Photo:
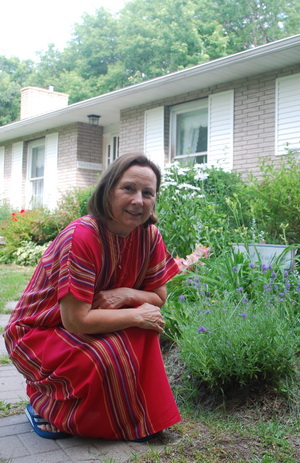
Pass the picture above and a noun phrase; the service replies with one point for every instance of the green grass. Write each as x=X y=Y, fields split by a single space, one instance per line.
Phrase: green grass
x=13 y=280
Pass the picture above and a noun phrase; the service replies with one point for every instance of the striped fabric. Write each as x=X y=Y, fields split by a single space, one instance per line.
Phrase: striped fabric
x=111 y=386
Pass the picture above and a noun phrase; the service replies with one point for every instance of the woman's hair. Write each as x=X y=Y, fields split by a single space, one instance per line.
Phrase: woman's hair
x=99 y=205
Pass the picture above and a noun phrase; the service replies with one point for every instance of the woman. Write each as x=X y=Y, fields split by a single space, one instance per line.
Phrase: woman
x=85 y=333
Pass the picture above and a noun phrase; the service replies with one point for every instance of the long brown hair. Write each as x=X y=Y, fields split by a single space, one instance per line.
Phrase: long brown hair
x=99 y=205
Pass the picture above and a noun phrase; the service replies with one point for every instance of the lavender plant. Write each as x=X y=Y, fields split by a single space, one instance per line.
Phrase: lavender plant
x=236 y=322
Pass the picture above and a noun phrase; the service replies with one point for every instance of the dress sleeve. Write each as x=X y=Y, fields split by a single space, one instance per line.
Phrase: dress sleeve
x=75 y=258
x=162 y=266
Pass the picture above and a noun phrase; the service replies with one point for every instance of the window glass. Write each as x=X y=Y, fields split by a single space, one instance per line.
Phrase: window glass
x=191 y=132
x=36 y=173
x=113 y=149
x=189 y=129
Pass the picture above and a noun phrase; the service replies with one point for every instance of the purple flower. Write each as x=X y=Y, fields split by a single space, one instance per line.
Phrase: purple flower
x=235 y=269
x=251 y=265
x=224 y=310
x=267 y=287
x=298 y=284
x=264 y=268
x=202 y=329
x=182 y=297
x=207 y=311
x=286 y=274
x=244 y=315
x=245 y=300
x=273 y=275
x=287 y=285
x=240 y=289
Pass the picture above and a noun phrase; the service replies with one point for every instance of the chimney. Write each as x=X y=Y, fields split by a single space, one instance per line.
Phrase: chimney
x=36 y=101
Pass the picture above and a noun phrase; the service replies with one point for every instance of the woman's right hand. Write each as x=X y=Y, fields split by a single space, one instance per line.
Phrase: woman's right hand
x=150 y=317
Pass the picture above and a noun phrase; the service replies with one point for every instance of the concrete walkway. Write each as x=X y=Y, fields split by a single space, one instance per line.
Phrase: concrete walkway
x=19 y=443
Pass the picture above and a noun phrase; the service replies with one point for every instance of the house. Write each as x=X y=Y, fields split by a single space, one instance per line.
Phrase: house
x=229 y=112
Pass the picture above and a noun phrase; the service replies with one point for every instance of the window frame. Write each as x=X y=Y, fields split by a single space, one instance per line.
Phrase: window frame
x=184 y=108
x=32 y=199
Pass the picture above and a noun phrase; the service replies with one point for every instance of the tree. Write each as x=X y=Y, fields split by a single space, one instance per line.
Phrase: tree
x=13 y=76
x=249 y=23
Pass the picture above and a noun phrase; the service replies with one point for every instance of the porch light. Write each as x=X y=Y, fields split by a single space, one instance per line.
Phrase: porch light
x=93 y=119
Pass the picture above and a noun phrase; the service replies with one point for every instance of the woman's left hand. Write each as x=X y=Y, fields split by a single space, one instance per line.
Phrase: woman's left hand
x=112 y=299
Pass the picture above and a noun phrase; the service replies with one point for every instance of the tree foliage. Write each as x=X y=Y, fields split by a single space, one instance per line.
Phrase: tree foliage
x=146 y=40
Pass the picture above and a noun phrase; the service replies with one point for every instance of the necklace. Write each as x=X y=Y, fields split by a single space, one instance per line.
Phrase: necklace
x=119 y=253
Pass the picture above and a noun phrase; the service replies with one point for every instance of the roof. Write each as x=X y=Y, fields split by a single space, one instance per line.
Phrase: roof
x=272 y=56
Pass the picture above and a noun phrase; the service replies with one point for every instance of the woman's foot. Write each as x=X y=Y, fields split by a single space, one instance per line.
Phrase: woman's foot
x=42 y=427
x=48 y=427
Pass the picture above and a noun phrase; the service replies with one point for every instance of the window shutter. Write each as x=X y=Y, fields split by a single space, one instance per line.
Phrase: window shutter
x=154 y=135
x=50 y=172
x=220 y=130
x=1 y=173
x=16 y=176
x=288 y=113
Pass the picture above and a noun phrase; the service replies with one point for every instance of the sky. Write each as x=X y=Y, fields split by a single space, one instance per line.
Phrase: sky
x=28 y=26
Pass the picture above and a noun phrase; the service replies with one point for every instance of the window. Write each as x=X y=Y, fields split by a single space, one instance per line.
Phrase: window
x=189 y=131
x=112 y=149
x=36 y=166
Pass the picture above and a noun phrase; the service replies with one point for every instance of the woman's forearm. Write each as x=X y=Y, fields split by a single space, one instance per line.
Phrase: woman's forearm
x=118 y=298
x=78 y=317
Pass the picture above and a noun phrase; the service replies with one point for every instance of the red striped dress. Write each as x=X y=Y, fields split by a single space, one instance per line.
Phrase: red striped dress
x=111 y=386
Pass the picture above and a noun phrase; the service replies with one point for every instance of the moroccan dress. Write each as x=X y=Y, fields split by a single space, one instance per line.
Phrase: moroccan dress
x=112 y=386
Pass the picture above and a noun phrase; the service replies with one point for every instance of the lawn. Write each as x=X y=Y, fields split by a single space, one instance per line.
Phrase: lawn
x=249 y=426
x=13 y=280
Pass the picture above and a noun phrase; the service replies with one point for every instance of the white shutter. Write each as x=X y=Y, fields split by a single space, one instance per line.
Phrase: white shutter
x=1 y=173
x=154 y=135
x=288 y=113
x=50 y=171
x=16 y=178
x=220 y=130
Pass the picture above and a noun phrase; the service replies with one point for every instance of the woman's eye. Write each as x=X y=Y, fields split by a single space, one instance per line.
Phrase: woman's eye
x=148 y=193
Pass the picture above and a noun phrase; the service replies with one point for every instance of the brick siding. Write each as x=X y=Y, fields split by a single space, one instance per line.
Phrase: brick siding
x=254 y=119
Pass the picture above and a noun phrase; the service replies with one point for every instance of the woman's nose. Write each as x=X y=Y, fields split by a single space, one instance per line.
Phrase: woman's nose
x=138 y=198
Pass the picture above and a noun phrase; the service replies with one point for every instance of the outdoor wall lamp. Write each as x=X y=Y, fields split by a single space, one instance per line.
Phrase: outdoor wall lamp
x=93 y=119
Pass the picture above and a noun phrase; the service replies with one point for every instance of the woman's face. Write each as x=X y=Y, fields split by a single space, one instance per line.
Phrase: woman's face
x=132 y=199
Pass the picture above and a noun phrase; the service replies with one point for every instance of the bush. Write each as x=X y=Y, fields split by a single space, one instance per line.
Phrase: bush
x=276 y=199
x=29 y=253
x=201 y=205
x=235 y=321
x=39 y=226
x=72 y=205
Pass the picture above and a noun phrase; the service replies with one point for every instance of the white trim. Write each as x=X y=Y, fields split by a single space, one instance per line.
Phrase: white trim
x=287 y=114
x=220 y=130
x=2 y=189
x=154 y=135
x=50 y=171
x=16 y=175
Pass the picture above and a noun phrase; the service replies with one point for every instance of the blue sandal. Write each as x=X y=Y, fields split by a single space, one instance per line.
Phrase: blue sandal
x=36 y=421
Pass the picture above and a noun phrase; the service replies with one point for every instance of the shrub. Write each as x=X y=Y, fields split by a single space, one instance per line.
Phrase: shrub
x=201 y=205
x=29 y=253
x=39 y=226
x=276 y=199
x=72 y=205
x=235 y=321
